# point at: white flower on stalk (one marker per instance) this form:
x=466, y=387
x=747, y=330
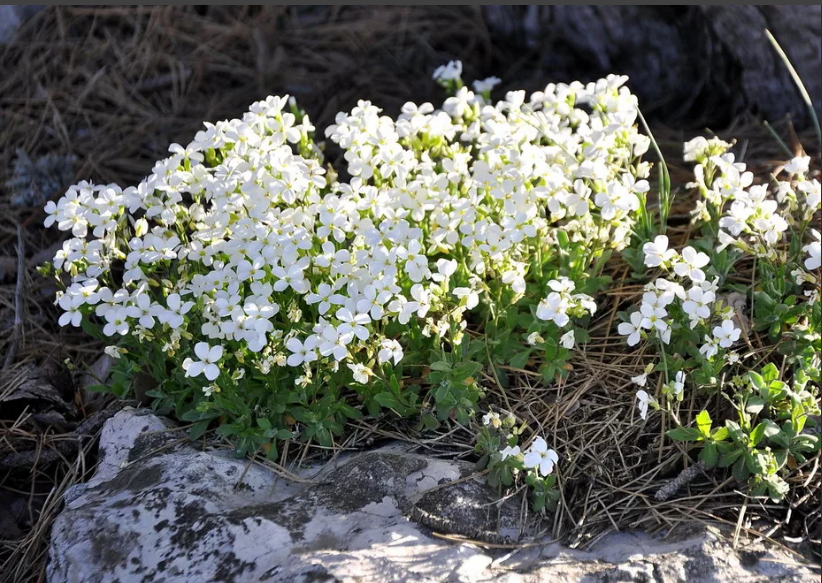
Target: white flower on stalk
x=509, y=451
x=468, y=296
x=492, y=418
x=657, y=253
x=727, y=333
x=487, y=84
x=362, y=374
x=643, y=400
x=146, y=310
x=653, y=318
x=448, y=72
x=72, y=314
x=567, y=340
x=691, y=264
x=301, y=352
x=814, y=248
x=113, y=351
x=553, y=308
x=640, y=380
x=698, y=304
x=632, y=329
x=175, y=313
x=116, y=322
x=540, y=457
x=679, y=383
x=390, y=350
x=207, y=365
x=709, y=349
x=324, y=296
x=798, y=165
x=534, y=338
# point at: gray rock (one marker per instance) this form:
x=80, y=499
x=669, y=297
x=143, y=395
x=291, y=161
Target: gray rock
x=13, y=17
x=158, y=509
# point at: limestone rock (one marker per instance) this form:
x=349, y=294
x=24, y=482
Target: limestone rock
x=159, y=510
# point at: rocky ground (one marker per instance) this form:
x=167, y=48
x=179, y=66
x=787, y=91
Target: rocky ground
x=161, y=509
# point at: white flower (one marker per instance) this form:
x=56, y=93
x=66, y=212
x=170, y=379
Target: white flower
x=534, y=338
x=691, y=264
x=727, y=333
x=207, y=365
x=640, y=380
x=698, y=304
x=567, y=340
x=449, y=72
x=491, y=418
x=468, y=296
x=709, y=349
x=653, y=318
x=657, y=252
x=643, y=399
x=116, y=322
x=362, y=374
x=177, y=309
x=553, y=308
x=813, y=249
x=509, y=451
x=72, y=315
x=390, y=350
x=798, y=165
x=679, y=383
x=632, y=329
x=301, y=352
x=113, y=351
x=540, y=457
x=487, y=84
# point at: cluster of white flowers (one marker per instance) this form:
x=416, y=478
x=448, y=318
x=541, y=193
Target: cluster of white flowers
x=756, y=220
x=560, y=302
x=698, y=302
x=244, y=244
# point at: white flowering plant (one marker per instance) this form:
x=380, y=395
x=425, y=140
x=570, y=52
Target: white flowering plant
x=699, y=317
x=277, y=296
x=508, y=466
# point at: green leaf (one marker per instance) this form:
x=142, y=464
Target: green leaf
x=703, y=423
x=387, y=400
x=740, y=470
x=349, y=411
x=441, y=366
x=684, y=434
x=765, y=429
x=730, y=458
x=708, y=455
x=198, y=429
x=429, y=421
x=193, y=415
x=720, y=434
x=755, y=405
x=757, y=381
x=769, y=373
x=757, y=434
x=520, y=359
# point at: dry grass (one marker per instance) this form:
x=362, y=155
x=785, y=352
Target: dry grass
x=114, y=86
